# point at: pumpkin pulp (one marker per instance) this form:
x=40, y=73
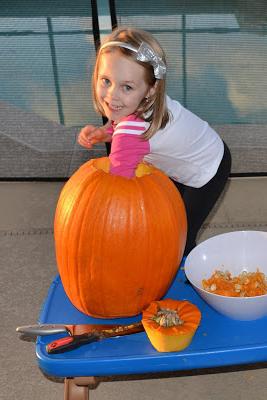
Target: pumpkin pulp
x=171, y=324
x=103, y=164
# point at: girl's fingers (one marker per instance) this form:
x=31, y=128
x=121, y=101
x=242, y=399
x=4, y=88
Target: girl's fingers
x=85, y=144
x=83, y=141
x=84, y=137
x=91, y=135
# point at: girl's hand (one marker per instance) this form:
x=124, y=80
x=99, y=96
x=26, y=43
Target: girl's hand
x=91, y=135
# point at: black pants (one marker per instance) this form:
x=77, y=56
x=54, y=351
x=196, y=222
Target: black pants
x=200, y=201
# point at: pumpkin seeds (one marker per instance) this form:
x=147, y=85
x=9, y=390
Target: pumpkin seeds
x=167, y=318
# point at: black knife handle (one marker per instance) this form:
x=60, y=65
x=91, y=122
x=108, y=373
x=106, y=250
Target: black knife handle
x=70, y=342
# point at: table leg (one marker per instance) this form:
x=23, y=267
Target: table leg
x=78, y=388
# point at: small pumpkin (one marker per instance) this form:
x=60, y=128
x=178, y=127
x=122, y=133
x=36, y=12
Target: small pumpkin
x=118, y=241
x=171, y=324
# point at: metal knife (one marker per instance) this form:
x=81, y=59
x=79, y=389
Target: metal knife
x=43, y=329
x=51, y=329
x=72, y=342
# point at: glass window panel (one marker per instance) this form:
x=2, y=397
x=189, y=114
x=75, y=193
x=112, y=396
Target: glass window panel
x=217, y=65
x=172, y=44
x=225, y=77
x=75, y=77
x=156, y=24
x=46, y=66
x=26, y=76
x=211, y=21
x=71, y=24
x=17, y=25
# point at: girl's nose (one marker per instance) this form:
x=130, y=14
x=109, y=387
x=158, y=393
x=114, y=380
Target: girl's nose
x=113, y=92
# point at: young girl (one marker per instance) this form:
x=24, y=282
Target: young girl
x=145, y=124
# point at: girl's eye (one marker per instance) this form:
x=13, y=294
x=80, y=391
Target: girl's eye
x=128, y=88
x=105, y=81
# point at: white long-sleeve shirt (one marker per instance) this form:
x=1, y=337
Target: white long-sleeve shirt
x=188, y=150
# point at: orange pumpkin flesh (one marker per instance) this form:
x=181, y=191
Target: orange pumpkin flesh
x=171, y=338
x=118, y=241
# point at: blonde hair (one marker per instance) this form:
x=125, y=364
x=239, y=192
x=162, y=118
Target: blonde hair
x=154, y=109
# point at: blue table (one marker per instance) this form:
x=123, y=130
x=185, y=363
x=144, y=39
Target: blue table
x=219, y=341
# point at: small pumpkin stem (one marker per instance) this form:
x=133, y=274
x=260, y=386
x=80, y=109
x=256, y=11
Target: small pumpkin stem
x=167, y=318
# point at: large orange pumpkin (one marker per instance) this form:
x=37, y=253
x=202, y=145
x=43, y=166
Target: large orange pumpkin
x=118, y=241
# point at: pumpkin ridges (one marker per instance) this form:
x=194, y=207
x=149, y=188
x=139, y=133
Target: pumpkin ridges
x=98, y=248
x=73, y=237
x=62, y=257
x=87, y=280
x=131, y=280
x=69, y=193
x=144, y=291
x=160, y=187
x=126, y=210
x=73, y=286
x=100, y=197
x=100, y=251
x=148, y=266
x=108, y=280
x=152, y=238
x=138, y=238
x=70, y=237
x=143, y=288
x=153, y=229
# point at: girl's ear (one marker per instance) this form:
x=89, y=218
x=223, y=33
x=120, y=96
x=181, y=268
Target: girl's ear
x=152, y=90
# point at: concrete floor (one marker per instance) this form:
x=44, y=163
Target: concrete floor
x=28, y=266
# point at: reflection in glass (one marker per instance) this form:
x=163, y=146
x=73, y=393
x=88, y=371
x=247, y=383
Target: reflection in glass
x=40, y=64
x=217, y=67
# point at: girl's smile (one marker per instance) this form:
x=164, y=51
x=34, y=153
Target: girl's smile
x=121, y=85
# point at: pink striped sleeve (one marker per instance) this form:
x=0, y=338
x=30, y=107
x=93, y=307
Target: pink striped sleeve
x=128, y=147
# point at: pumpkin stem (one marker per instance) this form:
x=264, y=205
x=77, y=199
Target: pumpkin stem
x=167, y=318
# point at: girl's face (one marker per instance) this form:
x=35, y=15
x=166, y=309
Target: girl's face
x=120, y=86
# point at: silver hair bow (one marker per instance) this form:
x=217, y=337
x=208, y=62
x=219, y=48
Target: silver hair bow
x=144, y=53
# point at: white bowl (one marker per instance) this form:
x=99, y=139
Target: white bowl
x=236, y=252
